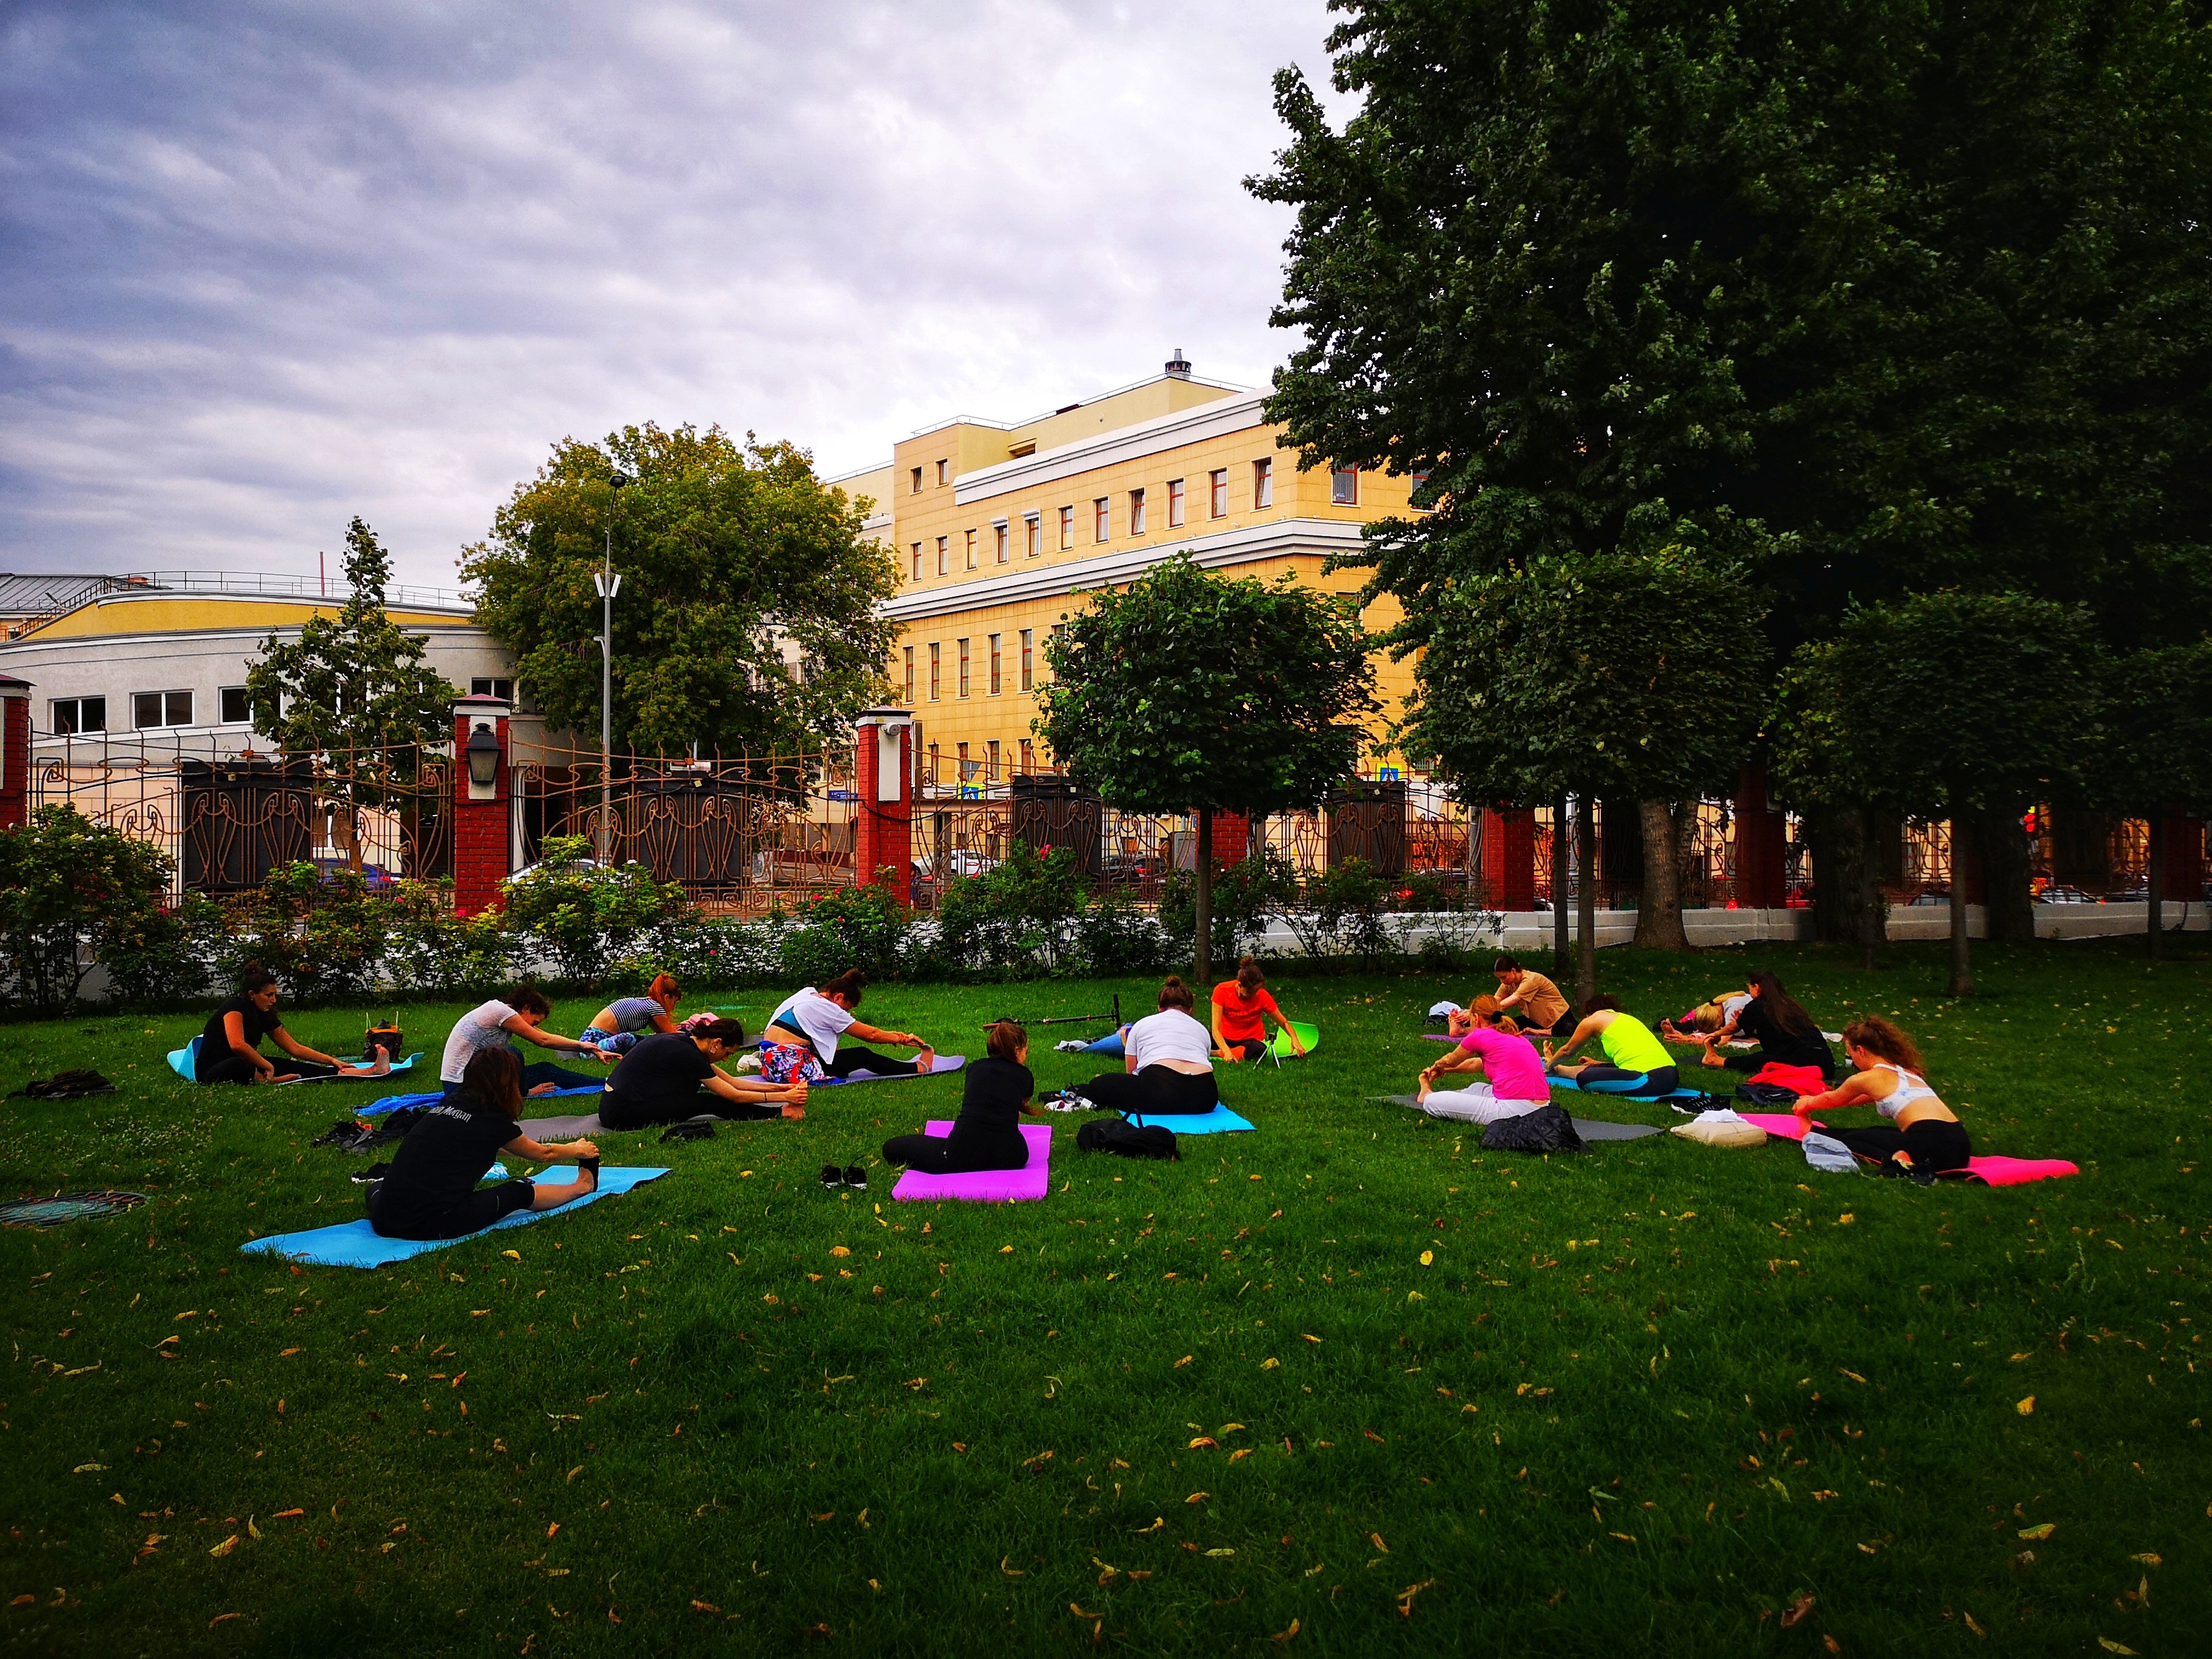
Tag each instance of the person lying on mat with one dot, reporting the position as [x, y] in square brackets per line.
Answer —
[1771, 1016]
[1167, 1064]
[988, 1134]
[519, 1013]
[660, 1082]
[803, 1038]
[432, 1192]
[1240, 1007]
[617, 1027]
[1528, 997]
[1504, 1075]
[1635, 1063]
[230, 1046]
[1923, 1137]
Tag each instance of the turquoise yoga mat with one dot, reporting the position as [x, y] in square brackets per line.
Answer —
[1218, 1121]
[183, 1061]
[357, 1245]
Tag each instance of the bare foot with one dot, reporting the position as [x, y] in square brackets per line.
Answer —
[794, 1113]
[925, 1058]
[383, 1066]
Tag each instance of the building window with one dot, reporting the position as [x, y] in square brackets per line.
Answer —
[1263, 483]
[155, 708]
[936, 675]
[1217, 498]
[1029, 757]
[1100, 521]
[1344, 487]
[971, 549]
[998, 534]
[1136, 512]
[1066, 528]
[1032, 534]
[1028, 659]
[917, 562]
[966, 768]
[916, 477]
[936, 759]
[74, 714]
[1175, 503]
[483, 686]
[995, 638]
[943, 554]
[909, 677]
[963, 644]
[943, 473]
[992, 750]
[238, 707]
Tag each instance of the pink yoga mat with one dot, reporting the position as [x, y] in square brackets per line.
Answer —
[1990, 1171]
[984, 1186]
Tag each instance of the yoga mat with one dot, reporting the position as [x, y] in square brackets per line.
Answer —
[182, 1060]
[938, 1067]
[1990, 1171]
[1308, 1035]
[395, 1103]
[1218, 1121]
[357, 1245]
[1588, 1128]
[1679, 1094]
[1110, 1044]
[984, 1186]
[563, 1128]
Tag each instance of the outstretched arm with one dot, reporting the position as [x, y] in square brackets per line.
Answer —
[749, 1091]
[545, 1039]
[1583, 1032]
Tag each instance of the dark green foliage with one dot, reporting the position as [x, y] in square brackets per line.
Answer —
[435, 953]
[863, 927]
[76, 890]
[1247, 895]
[323, 937]
[725, 550]
[581, 918]
[1017, 919]
[1114, 936]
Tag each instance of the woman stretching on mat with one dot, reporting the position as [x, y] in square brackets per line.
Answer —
[230, 1046]
[432, 1190]
[1923, 1137]
[520, 1013]
[1771, 1016]
[1240, 1009]
[1511, 1073]
[987, 1133]
[617, 1027]
[659, 1081]
[801, 1042]
[1528, 996]
[1167, 1064]
[1634, 1064]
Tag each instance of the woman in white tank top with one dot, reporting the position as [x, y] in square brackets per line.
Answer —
[1923, 1137]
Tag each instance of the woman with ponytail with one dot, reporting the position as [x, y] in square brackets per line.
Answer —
[1241, 1008]
[1923, 1137]
[997, 1091]
[230, 1046]
[616, 1027]
[1167, 1064]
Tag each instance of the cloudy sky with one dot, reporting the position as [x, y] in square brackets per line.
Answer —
[266, 265]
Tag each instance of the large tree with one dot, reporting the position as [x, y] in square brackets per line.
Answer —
[355, 694]
[1192, 692]
[747, 621]
[2154, 758]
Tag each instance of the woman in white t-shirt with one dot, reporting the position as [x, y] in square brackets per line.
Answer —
[803, 1038]
[1167, 1064]
[520, 1013]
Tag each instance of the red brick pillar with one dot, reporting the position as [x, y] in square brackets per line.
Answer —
[481, 838]
[1762, 875]
[1232, 836]
[883, 778]
[1509, 857]
[14, 752]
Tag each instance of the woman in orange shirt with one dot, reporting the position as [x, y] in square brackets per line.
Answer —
[1241, 1006]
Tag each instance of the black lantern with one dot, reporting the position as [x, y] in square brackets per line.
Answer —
[483, 757]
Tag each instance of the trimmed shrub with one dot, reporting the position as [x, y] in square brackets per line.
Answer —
[77, 891]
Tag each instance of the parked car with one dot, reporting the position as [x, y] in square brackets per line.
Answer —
[379, 879]
[2056, 894]
[1933, 896]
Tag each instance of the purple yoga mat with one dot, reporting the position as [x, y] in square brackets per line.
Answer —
[984, 1186]
[938, 1067]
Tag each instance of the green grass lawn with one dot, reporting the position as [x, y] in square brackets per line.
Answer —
[1344, 1385]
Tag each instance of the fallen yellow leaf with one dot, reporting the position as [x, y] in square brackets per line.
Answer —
[2036, 1534]
[2027, 1407]
[226, 1547]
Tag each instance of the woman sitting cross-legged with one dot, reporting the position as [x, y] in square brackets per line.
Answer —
[1923, 1137]
[432, 1191]
[1635, 1063]
[804, 1039]
[1504, 1075]
[988, 1134]
[616, 1028]
[1241, 1007]
[660, 1080]
[230, 1046]
[1167, 1064]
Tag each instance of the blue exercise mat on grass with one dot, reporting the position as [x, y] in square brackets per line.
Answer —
[1218, 1121]
[184, 1062]
[1110, 1044]
[357, 1245]
[397, 1102]
[1678, 1094]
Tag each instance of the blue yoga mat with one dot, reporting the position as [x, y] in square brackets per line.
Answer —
[1110, 1045]
[1679, 1094]
[1218, 1121]
[182, 1062]
[396, 1103]
[357, 1245]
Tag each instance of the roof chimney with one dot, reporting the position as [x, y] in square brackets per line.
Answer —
[1179, 366]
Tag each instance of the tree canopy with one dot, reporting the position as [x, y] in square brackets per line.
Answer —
[729, 553]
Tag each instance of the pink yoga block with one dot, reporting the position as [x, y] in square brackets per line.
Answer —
[984, 1186]
[1990, 1171]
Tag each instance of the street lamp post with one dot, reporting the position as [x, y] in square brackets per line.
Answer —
[608, 585]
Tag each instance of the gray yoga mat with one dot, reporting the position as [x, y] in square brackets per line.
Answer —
[537, 1128]
[1588, 1128]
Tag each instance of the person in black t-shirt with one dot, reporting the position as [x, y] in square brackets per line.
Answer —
[432, 1190]
[230, 1046]
[1785, 1033]
[986, 1135]
[659, 1081]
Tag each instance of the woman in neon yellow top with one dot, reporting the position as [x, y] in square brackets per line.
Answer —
[1635, 1063]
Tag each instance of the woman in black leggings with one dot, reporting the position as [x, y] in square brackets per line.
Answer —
[1923, 1137]
[988, 1134]
[1167, 1064]
[230, 1046]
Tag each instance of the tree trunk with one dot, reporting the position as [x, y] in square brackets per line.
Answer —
[1962, 966]
[1202, 897]
[1585, 906]
[1842, 873]
[1659, 912]
[1873, 919]
[2154, 885]
[2008, 911]
[1561, 857]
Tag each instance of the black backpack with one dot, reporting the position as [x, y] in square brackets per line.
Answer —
[67, 1085]
[1767, 1094]
[1546, 1129]
[1124, 1139]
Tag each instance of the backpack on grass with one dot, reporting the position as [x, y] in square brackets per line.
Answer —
[67, 1085]
[1546, 1129]
[1124, 1139]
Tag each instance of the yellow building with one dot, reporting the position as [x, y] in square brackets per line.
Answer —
[1000, 528]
